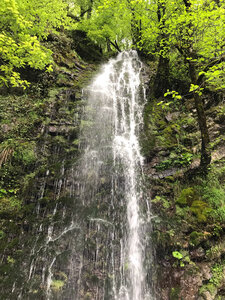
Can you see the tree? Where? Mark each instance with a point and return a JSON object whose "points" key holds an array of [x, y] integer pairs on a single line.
{"points": [[161, 83], [196, 30], [109, 25], [80, 9], [23, 25]]}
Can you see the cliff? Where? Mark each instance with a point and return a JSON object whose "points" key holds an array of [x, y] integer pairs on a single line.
{"points": [[40, 138]]}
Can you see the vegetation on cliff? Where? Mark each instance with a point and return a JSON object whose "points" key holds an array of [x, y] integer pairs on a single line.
{"points": [[47, 51]]}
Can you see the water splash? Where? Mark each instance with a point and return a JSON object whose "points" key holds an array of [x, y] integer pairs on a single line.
{"points": [[111, 150]]}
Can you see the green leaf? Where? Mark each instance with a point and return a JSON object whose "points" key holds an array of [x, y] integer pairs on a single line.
{"points": [[177, 255]]}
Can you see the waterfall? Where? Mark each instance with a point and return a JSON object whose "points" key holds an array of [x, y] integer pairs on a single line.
{"points": [[112, 163], [90, 233]]}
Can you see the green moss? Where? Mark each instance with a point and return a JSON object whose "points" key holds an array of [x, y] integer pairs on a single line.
{"points": [[177, 158], [87, 296], [174, 293], [215, 196], [186, 197], [208, 287], [215, 281], [57, 285], [161, 200], [182, 212], [60, 140], [201, 209], [170, 134], [215, 252], [196, 238], [61, 276], [217, 271], [9, 206]]}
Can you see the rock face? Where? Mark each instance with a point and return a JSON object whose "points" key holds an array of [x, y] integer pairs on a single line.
{"points": [[38, 207], [40, 133], [185, 203], [60, 243]]}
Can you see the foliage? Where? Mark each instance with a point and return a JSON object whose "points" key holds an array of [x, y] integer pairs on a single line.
{"points": [[177, 255], [193, 28], [174, 293], [182, 257], [186, 196], [215, 281], [207, 287], [199, 27], [177, 159], [45, 16], [214, 193], [113, 25], [57, 285], [162, 200], [196, 89], [22, 25], [10, 205], [214, 77], [166, 105], [201, 209], [108, 22], [196, 238]]}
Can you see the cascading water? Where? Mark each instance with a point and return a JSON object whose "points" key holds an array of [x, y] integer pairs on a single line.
{"points": [[90, 233], [112, 159]]}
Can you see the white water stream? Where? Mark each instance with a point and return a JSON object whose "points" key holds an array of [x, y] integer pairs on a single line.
{"points": [[93, 238], [111, 131]]}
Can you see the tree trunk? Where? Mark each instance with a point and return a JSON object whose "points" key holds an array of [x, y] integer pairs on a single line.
{"points": [[205, 149], [161, 83]]}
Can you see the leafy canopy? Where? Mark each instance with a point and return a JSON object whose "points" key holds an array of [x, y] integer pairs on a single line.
{"points": [[159, 27], [23, 24], [192, 29], [110, 20]]}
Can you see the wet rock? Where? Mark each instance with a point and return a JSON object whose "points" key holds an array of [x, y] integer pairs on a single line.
{"points": [[166, 173], [172, 116], [219, 154], [164, 153], [222, 129], [6, 128], [220, 119], [190, 286], [214, 131], [206, 272], [69, 94], [60, 129], [207, 296], [197, 253], [52, 129]]}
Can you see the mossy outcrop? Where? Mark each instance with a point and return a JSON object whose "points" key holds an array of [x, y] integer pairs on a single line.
{"points": [[38, 154], [187, 204], [39, 147]]}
